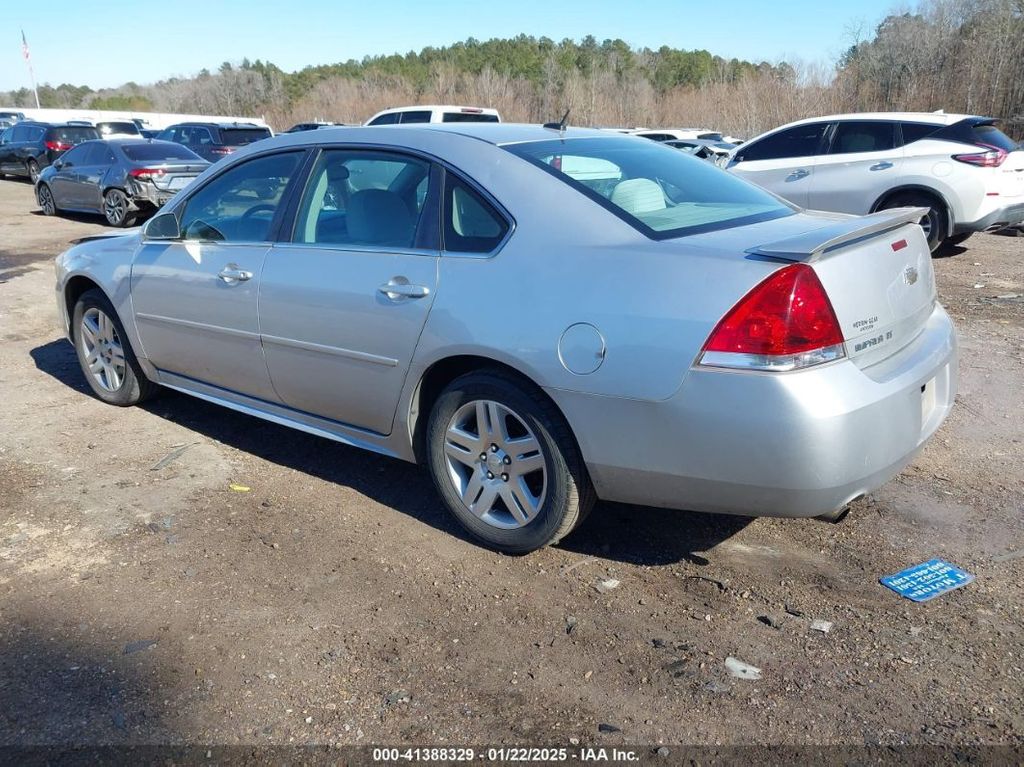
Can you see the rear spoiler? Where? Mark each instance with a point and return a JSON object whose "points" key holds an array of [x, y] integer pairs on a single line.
{"points": [[813, 245]]}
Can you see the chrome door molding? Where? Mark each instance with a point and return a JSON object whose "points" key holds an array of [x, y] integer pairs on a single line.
{"points": [[336, 351], [177, 322]]}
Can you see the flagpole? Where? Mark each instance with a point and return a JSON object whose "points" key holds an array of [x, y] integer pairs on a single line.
{"points": [[31, 73]]}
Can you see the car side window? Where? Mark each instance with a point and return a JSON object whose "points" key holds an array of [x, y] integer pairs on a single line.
{"points": [[99, 154], [417, 116], [358, 197], [201, 137], [239, 204], [863, 136], [471, 224], [76, 156], [5, 137], [916, 131], [798, 141], [20, 133], [386, 119]]}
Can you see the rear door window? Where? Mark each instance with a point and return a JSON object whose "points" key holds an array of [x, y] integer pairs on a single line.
{"points": [[99, 154], [863, 136], [358, 197], [916, 131], [419, 116], [798, 141]]}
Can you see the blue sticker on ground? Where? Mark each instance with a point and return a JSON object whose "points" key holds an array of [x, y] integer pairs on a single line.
{"points": [[927, 580]]}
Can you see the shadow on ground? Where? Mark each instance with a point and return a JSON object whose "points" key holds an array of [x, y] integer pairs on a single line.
{"points": [[635, 534], [58, 689]]}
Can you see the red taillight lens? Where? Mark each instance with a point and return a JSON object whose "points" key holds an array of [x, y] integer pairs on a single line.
{"points": [[786, 322], [992, 157], [145, 174], [222, 150], [58, 146]]}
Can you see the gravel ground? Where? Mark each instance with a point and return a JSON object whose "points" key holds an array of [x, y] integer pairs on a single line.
{"points": [[143, 600]]}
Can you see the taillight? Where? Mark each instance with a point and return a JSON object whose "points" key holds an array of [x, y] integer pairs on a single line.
{"points": [[222, 150], [146, 174], [992, 157], [786, 322], [58, 146]]}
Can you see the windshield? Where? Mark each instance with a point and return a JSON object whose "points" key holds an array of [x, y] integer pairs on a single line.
{"points": [[241, 136], [659, 190], [159, 150]]}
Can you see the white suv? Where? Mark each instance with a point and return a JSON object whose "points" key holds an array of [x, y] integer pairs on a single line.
{"points": [[432, 113], [966, 171]]}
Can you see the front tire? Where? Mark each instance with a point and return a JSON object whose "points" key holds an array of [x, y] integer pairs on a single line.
{"points": [[935, 223], [44, 196], [117, 209], [104, 354], [505, 462]]}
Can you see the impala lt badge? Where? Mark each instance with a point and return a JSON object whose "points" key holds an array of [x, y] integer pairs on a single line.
{"points": [[910, 275]]}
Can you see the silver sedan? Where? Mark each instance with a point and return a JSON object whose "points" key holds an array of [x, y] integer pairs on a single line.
{"points": [[542, 317]]}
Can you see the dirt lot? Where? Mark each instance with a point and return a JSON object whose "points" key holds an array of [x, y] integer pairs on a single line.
{"points": [[145, 601]]}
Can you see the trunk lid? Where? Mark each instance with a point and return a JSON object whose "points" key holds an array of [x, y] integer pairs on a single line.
{"points": [[1010, 176], [877, 272]]}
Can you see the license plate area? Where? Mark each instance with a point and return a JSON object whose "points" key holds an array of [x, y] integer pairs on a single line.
{"points": [[927, 401]]}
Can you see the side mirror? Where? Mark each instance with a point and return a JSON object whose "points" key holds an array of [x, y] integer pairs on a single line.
{"points": [[62, 164], [162, 227]]}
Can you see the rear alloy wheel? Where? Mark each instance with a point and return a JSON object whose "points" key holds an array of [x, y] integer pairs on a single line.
{"points": [[33, 171], [117, 209], [505, 463], [45, 198], [934, 223], [107, 360]]}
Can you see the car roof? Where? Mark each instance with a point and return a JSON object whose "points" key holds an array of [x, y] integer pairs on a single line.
{"points": [[939, 118], [432, 107], [492, 133], [208, 124]]}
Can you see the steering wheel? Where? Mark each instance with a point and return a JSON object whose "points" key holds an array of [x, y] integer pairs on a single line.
{"points": [[258, 209]]}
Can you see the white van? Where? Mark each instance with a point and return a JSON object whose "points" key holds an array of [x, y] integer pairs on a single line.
{"points": [[432, 113]]}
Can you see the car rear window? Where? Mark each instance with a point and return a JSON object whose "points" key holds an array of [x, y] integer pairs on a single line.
{"points": [[469, 117], [72, 134], [991, 135], [158, 151], [658, 190], [117, 127], [240, 136]]}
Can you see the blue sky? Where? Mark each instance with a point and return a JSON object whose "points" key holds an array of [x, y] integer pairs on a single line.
{"points": [[108, 42]]}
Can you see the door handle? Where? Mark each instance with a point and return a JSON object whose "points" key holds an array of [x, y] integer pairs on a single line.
{"points": [[399, 287], [232, 274], [881, 165], [798, 174]]}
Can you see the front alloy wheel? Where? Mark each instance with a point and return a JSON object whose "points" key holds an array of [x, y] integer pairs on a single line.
{"points": [[104, 353], [505, 462], [102, 349]]}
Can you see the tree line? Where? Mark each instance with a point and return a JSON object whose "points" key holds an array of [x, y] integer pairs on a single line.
{"points": [[957, 55]]}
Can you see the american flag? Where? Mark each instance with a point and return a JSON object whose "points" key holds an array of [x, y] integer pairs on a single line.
{"points": [[24, 46]]}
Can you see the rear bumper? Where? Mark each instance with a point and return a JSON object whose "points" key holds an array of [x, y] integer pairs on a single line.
{"points": [[997, 219], [145, 195], [760, 444]]}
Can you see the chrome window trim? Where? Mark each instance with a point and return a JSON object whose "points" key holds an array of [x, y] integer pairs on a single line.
{"points": [[363, 248]]}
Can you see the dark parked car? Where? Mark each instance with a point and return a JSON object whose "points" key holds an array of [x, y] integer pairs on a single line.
{"points": [[214, 141], [122, 179], [28, 147]]}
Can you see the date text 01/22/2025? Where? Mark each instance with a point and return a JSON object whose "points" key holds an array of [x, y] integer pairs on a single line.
{"points": [[504, 754]]}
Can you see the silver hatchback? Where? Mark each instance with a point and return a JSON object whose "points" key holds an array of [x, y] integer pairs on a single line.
{"points": [[542, 317]]}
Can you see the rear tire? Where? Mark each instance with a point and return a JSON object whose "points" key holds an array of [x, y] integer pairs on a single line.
{"points": [[935, 223], [32, 168], [505, 462], [104, 353], [117, 209]]}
